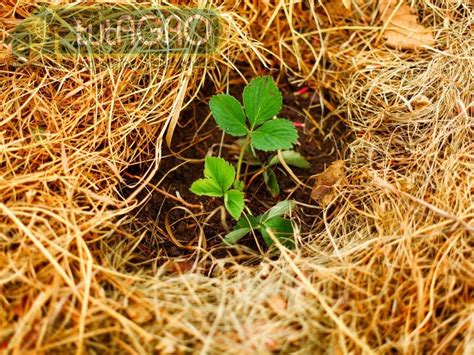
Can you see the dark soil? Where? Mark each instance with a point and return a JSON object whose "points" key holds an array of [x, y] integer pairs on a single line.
{"points": [[172, 232]]}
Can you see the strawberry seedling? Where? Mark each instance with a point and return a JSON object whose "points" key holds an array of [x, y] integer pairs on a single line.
{"points": [[257, 124], [267, 223], [219, 177]]}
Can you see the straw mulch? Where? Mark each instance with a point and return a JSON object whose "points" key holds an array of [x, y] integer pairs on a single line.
{"points": [[391, 270]]}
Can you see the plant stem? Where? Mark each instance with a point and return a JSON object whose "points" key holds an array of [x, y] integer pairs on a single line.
{"points": [[241, 157]]}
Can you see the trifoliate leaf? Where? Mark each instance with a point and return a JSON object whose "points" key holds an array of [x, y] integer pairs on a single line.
{"points": [[262, 100], [292, 158], [228, 114], [234, 203], [274, 135], [220, 171], [281, 229], [206, 187], [271, 182]]}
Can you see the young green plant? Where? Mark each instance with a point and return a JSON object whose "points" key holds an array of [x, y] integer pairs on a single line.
{"points": [[271, 221], [257, 123], [219, 177]]}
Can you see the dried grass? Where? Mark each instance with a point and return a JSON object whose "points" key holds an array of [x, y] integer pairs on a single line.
{"points": [[392, 270]]}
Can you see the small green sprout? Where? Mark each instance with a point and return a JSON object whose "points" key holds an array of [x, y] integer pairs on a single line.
{"points": [[269, 222], [219, 177]]}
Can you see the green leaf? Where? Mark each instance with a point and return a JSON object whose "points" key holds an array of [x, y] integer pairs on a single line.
{"points": [[274, 135], [248, 221], [282, 230], [206, 187], [220, 171], [269, 221], [234, 236], [279, 210], [234, 203], [229, 114], [244, 226], [292, 158], [262, 100], [238, 185], [220, 176], [271, 182]]}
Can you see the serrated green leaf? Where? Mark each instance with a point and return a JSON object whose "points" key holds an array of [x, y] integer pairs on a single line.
{"points": [[234, 236], [220, 171], [281, 228], [262, 100], [229, 114], [279, 210], [292, 158], [234, 203], [275, 134], [271, 182], [206, 187]]}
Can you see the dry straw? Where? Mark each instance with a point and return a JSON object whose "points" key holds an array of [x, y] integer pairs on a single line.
{"points": [[392, 269]]}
